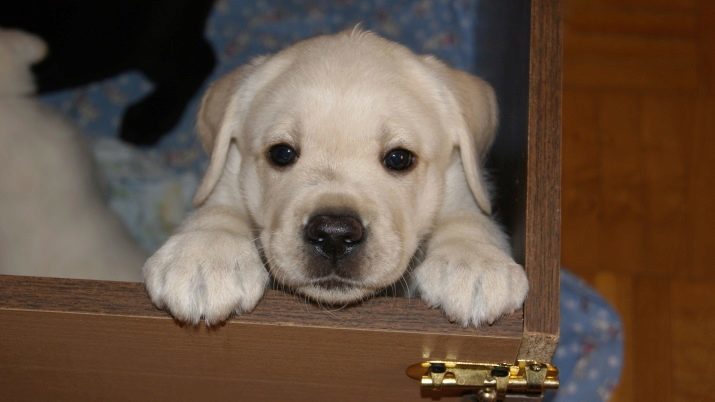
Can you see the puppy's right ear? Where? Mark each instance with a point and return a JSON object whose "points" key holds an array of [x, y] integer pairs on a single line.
{"points": [[219, 120], [474, 117]]}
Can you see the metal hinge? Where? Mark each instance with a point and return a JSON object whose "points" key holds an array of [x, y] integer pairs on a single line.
{"points": [[489, 382]]}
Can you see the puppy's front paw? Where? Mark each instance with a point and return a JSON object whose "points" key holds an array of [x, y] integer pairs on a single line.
{"points": [[472, 285], [205, 275]]}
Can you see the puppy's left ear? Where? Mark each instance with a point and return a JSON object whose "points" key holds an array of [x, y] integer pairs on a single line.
{"points": [[220, 120], [475, 123]]}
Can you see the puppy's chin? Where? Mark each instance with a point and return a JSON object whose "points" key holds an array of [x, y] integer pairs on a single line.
{"points": [[334, 292]]}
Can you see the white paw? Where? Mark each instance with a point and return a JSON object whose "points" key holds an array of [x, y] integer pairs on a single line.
{"points": [[472, 285], [205, 275]]}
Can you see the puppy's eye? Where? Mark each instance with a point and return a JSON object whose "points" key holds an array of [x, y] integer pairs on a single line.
{"points": [[282, 155], [398, 159]]}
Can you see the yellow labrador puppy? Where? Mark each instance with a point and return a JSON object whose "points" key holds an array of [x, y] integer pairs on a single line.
{"points": [[332, 163]]}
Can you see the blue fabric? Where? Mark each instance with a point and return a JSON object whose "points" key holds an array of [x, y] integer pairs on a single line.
{"points": [[590, 352], [151, 189]]}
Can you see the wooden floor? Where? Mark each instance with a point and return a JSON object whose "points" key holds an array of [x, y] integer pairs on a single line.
{"points": [[639, 182]]}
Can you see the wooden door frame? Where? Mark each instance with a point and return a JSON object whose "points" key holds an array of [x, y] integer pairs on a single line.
{"points": [[543, 193]]}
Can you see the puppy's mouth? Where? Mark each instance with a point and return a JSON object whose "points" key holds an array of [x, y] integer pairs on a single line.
{"points": [[333, 283], [334, 289]]}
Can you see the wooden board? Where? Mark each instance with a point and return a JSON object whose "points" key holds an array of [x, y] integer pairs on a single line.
{"points": [[639, 184], [543, 195], [66, 339]]}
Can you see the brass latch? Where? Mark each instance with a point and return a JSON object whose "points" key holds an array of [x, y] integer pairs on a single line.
{"points": [[490, 382]]}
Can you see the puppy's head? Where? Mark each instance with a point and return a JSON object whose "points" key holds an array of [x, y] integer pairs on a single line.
{"points": [[337, 149]]}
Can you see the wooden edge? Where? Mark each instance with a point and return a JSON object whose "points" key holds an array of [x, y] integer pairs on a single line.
{"points": [[538, 346], [543, 210], [276, 308]]}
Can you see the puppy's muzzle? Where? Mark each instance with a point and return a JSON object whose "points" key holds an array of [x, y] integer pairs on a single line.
{"points": [[334, 237]]}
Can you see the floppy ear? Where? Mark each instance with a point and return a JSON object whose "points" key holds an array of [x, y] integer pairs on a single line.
{"points": [[219, 120], [476, 123]]}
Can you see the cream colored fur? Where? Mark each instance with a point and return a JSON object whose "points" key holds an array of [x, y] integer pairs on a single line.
{"points": [[343, 101], [53, 221]]}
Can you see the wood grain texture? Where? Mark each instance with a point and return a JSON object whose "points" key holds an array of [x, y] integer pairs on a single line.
{"points": [[618, 290], [276, 308], [541, 311], [66, 339], [653, 334], [692, 320], [638, 182], [70, 356], [634, 45]]}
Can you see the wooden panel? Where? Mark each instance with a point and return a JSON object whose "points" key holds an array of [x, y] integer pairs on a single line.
{"points": [[634, 45], [618, 290], [621, 184], [644, 49], [68, 356], [652, 331], [660, 5], [636, 170], [639, 183], [543, 211], [625, 61], [668, 326], [693, 327], [581, 153], [667, 130], [642, 17], [700, 192], [69, 339], [706, 43]]}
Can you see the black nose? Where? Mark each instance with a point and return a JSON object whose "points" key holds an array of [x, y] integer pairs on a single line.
{"points": [[334, 236]]}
